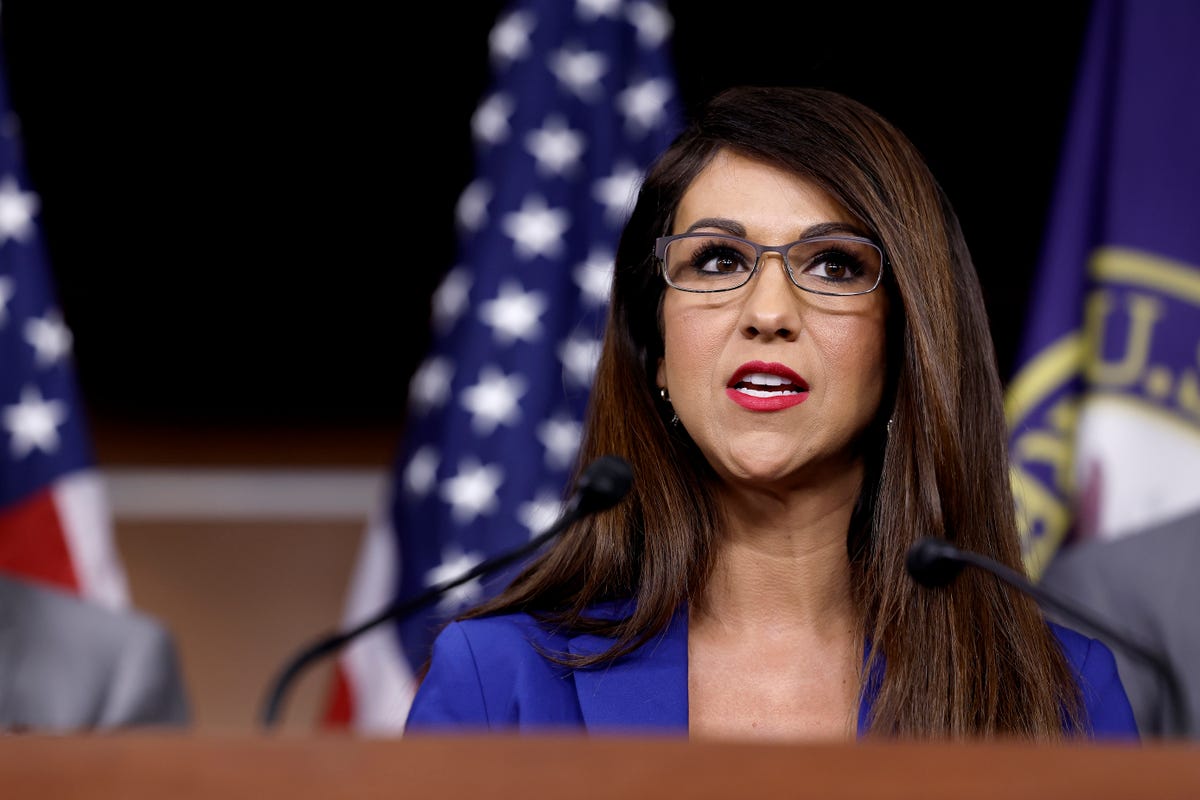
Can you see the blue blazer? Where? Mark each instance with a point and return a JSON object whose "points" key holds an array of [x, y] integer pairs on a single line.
{"points": [[488, 674]]}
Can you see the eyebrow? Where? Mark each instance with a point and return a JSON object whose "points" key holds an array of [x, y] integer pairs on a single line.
{"points": [[738, 229]]}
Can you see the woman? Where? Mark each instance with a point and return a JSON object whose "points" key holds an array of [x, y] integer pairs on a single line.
{"points": [[797, 413]]}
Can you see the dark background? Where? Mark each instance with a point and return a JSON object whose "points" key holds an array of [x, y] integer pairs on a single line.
{"points": [[247, 206]]}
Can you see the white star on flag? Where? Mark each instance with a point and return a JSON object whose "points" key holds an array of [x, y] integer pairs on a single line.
{"points": [[579, 355], [560, 436], [450, 298], [489, 123], [455, 564], [50, 338], [514, 314], [618, 191], [643, 104], [470, 213], [556, 148], [538, 514], [17, 209], [33, 423], [509, 39], [493, 400], [472, 492], [594, 277], [580, 71], [654, 24], [536, 229], [421, 472], [430, 384], [592, 10]]}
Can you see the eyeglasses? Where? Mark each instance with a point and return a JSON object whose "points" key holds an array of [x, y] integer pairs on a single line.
{"points": [[830, 265]]}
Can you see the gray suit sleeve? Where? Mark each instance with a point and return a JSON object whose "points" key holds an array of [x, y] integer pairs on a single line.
{"points": [[1144, 586], [147, 683], [70, 665]]}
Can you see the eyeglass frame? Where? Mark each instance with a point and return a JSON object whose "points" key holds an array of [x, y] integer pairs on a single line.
{"points": [[662, 242]]}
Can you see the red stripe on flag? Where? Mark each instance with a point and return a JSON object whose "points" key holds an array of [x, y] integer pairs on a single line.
{"points": [[340, 707], [32, 543]]}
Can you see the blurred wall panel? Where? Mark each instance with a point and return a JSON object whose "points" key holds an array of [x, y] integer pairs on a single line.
{"points": [[242, 540], [242, 597]]}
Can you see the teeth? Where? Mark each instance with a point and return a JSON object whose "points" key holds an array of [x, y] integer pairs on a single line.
{"points": [[765, 393], [764, 379]]}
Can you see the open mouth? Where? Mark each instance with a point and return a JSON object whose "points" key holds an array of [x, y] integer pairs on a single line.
{"points": [[762, 384]]}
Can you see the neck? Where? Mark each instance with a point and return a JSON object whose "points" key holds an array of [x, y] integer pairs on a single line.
{"points": [[783, 562]]}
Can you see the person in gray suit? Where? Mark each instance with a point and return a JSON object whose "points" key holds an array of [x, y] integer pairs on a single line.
{"points": [[69, 665], [1145, 585]]}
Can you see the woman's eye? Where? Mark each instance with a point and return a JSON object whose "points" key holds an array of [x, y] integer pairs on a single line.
{"points": [[834, 266], [719, 259]]}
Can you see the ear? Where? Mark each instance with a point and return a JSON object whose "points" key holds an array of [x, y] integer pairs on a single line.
{"points": [[660, 377]]}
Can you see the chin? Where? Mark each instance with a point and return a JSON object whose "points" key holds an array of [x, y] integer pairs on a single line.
{"points": [[760, 470]]}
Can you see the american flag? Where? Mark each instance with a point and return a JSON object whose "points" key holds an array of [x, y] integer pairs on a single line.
{"points": [[583, 96], [55, 523]]}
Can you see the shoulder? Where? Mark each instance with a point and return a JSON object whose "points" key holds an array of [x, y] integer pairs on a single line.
{"points": [[1076, 645], [517, 631], [514, 637], [493, 672], [1113, 573], [1105, 700], [82, 665], [45, 616], [500, 645]]}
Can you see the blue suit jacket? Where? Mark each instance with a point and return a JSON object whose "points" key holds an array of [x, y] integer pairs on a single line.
{"points": [[488, 674]]}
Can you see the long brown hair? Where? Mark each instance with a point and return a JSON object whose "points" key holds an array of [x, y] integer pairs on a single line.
{"points": [[973, 659]]}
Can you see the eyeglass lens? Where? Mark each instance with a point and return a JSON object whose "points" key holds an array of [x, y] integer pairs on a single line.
{"points": [[826, 266]]}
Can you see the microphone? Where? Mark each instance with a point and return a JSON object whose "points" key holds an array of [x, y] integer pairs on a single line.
{"points": [[934, 562], [602, 485]]}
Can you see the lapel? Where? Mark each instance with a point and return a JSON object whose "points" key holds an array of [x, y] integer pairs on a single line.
{"points": [[645, 689]]}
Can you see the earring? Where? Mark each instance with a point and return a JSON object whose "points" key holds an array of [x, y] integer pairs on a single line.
{"points": [[889, 427], [666, 397]]}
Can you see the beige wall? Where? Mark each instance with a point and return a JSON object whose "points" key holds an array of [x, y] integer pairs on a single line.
{"points": [[243, 585], [242, 597]]}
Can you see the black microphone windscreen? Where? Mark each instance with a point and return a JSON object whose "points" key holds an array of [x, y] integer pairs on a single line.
{"points": [[605, 481], [933, 562]]}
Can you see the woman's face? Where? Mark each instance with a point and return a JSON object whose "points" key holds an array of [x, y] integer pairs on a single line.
{"points": [[773, 383]]}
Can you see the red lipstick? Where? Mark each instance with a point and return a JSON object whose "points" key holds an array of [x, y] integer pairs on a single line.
{"points": [[763, 386]]}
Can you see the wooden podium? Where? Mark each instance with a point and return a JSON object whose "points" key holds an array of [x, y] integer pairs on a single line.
{"points": [[184, 766]]}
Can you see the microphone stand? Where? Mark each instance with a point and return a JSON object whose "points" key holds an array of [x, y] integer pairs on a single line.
{"points": [[605, 482], [934, 562]]}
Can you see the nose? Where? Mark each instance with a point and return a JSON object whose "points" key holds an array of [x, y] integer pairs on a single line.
{"points": [[771, 309]]}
